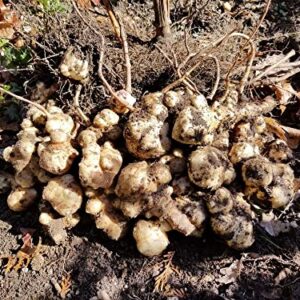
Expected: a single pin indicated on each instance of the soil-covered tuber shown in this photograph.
(230, 218)
(57, 156)
(146, 131)
(267, 182)
(209, 168)
(73, 67)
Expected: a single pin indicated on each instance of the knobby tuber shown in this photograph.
(268, 182)
(106, 216)
(20, 154)
(230, 217)
(151, 238)
(20, 199)
(209, 168)
(123, 103)
(64, 194)
(169, 171)
(73, 67)
(146, 131)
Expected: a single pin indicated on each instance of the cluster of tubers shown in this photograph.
(172, 164)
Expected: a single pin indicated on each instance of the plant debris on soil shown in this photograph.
(194, 120)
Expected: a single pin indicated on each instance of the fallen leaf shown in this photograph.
(65, 286)
(292, 136)
(274, 127)
(27, 237)
(283, 274)
(284, 92)
(297, 184)
(8, 21)
(84, 4)
(231, 273)
(273, 226)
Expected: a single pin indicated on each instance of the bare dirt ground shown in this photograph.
(103, 269)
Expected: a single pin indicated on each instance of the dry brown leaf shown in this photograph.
(84, 4)
(8, 21)
(23, 257)
(65, 286)
(231, 273)
(283, 274)
(293, 136)
(274, 127)
(273, 226)
(284, 92)
(161, 281)
(297, 184)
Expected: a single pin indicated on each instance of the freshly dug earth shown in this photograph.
(103, 269)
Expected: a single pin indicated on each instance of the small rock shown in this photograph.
(37, 262)
(227, 6)
(102, 295)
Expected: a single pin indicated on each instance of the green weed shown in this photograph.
(11, 57)
(53, 6)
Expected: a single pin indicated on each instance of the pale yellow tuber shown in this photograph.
(242, 151)
(99, 165)
(57, 155)
(257, 172)
(194, 208)
(136, 181)
(142, 178)
(123, 103)
(73, 67)
(107, 218)
(20, 154)
(162, 206)
(195, 126)
(20, 199)
(150, 238)
(64, 194)
(105, 120)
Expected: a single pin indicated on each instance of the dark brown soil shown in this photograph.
(104, 269)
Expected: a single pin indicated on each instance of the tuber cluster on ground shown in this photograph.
(170, 162)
